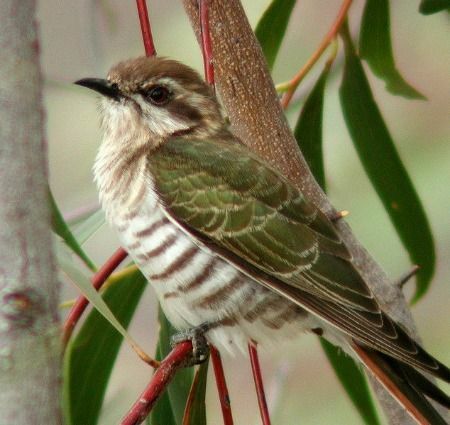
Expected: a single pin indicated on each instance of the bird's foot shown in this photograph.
(200, 347)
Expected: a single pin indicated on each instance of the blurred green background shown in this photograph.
(84, 38)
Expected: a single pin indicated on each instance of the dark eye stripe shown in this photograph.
(158, 95)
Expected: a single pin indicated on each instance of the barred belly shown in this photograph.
(194, 286)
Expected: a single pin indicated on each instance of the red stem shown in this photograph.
(222, 389)
(259, 385)
(161, 378)
(98, 279)
(206, 42)
(145, 28)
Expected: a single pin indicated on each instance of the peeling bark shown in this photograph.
(29, 328)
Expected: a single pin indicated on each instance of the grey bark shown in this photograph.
(29, 329)
(246, 88)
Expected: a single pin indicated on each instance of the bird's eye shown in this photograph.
(158, 95)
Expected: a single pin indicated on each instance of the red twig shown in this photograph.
(222, 389)
(145, 28)
(161, 378)
(259, 385)
(98, 279)
(206, 42)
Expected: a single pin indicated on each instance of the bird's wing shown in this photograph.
(250, 215)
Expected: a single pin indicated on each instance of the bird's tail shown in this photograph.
(409, 387)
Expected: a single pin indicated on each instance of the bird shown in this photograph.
(228, 242)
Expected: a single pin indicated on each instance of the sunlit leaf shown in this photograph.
(428, 7)
(91, 354)
(195, 412)
(308, 133)
(272, 27)
(177, 392)
(376, 48)
(382, 164)
(354, 381)
(60, 227)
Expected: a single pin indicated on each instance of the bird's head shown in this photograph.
(156, 98)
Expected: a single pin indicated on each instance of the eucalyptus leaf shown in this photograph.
(308, 133)
(376, 48)
(91, 354)
(173, 402)
(61, 228)
(195, 413)
(86, 228)
(384, 167)
(272, 27)
(428, 7)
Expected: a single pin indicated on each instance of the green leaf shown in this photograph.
(308, 132)
(272, 26)
(87, 227)
(382, 164)
(173, 402)
(60, 227)
(428, 7)
(90, 356)
(195, 413)
(354, 382)
(376, 48)
(84, 285)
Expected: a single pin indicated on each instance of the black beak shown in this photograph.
(101, 86)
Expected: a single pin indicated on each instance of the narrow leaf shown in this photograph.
(272, 27)
(91, 355)
(60, 227)
(376, 48)
(195, 412)
(308, 132)
(86, 228)
(354, 381)
(428, 7)
(177, 392)
(382, 163)
(84, 285)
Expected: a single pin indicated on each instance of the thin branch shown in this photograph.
(145, 28)
(292, 85)
(259, 385)
(222, 388)
(98, 279)
(163, 375)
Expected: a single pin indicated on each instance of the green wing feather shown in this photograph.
(255, 218)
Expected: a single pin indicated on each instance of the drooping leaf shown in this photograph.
(354, 381)
(91, 354)
(376, 48)
(82, 282)
(308, 132)
(195, 412)
(382, 164)
(60, 227)
(428, 7)
(173, 402)
(86, 228)
(272, 27)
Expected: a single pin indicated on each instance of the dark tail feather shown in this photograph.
(406, 385)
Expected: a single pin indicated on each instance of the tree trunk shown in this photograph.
(248, 94)
(29, 330)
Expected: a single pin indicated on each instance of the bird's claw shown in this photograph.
(200, 347)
